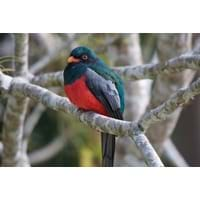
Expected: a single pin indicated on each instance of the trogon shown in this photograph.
(92, 86)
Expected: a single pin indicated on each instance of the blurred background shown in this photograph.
(56, 139)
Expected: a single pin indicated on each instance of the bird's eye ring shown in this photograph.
(84, 57)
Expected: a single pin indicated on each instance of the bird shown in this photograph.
(93, 86)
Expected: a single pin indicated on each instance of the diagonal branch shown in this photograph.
(49, 151)
(151, 71)
(146, 149)
(30, 123)
(103, 123)
(169, 45)
(113, 126)
(19, 86)
(172, 155)
(178, 99)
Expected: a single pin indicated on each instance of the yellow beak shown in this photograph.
(71, 59)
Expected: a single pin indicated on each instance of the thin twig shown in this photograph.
(172, 155)
(32, 120)
(30, 124)
(48, 151)
(47, 59)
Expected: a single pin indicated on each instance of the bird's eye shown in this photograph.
(84, 57)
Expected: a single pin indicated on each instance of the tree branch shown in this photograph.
(19, 86)
(168, 45)
(49, 151)
(14, 116)
(172, 155)
(178, 99)
(47, 59)
(127, 51)
(150, 156)
(146, 71)
(30, 124)
(103, 123)
(150, 71)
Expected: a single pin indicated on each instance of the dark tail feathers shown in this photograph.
(108, 143)
(108, 149)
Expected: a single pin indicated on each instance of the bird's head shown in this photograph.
(82, 55)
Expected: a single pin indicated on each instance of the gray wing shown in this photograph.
(105, 91)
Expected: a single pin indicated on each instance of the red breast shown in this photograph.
(81, 96)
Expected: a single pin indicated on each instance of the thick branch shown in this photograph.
(127, 51)
(18, 86)
(14, 116)
(21, 54)
(168, 46)
(143, 144)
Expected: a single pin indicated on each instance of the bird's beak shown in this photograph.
(71, 59)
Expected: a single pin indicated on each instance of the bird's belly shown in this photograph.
(81, 96)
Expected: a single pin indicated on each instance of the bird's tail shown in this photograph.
(108, 143)
(108, 149)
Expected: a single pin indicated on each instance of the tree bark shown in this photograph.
(169, 45)
(13, 125)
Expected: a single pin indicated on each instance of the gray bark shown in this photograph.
(128, 52)
(18, 86)
(13, 125)
(169, 45)
(189, 60)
